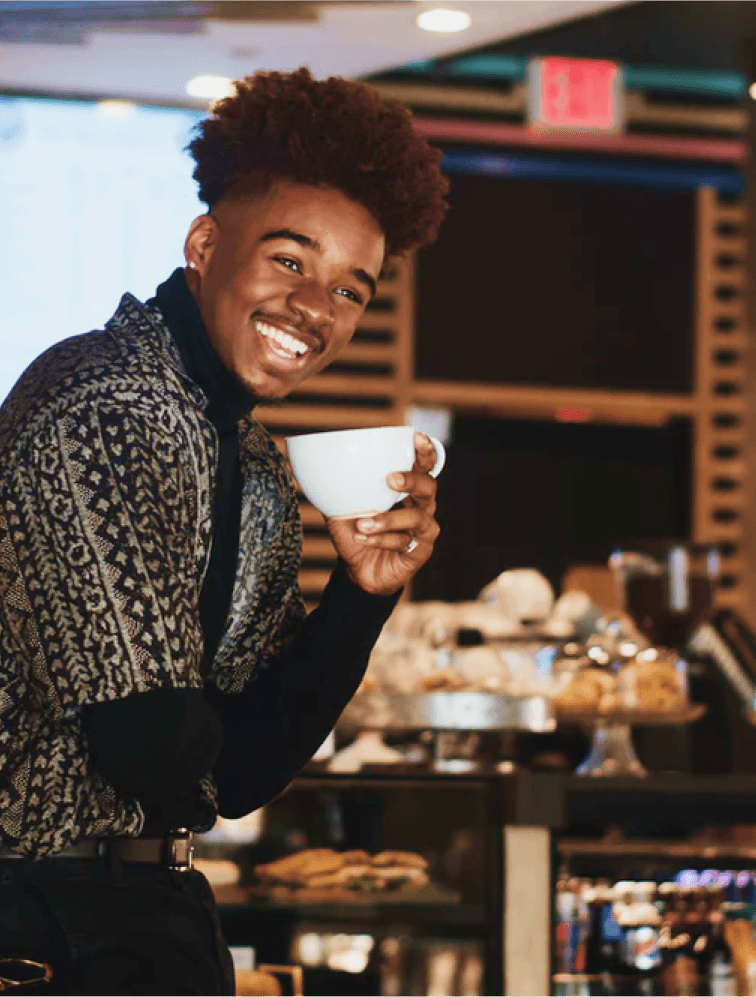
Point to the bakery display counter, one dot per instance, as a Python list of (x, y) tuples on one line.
[(517, 659), (408, 865), (446, 827), (654, 883), (497, 851)]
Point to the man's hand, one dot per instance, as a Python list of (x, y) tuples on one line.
[(383, 552)]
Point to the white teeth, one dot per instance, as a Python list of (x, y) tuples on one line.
[(282, 338)]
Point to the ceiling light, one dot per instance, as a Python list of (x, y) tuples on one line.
[(441, 19), (208, 87), (115, 108)]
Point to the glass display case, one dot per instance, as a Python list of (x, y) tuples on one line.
[(375, 884), (655, 891), (529, 883)]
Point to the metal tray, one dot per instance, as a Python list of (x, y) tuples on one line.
[(449, 711), (633, 716)]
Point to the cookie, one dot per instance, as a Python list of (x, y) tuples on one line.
[(397, 858), (295, 868)]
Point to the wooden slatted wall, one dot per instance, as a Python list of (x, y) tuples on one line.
[(368, 385), (372, 384), (720, 454)]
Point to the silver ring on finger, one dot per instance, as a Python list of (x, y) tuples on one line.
[(412, 545)]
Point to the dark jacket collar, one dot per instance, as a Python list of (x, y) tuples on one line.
[(228, 399)]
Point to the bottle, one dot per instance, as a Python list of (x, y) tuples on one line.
[(718, 969), (642, 937), (581, 925), (594, 958), (623, 895), (572, 925), (604, 947), (646, 956), (701, 930), (666, 903), (564, 942), (680, 973)]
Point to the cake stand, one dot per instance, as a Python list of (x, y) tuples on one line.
[(443, 714), (612, 752)]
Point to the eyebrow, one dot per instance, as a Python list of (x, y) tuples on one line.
[(305, 240)]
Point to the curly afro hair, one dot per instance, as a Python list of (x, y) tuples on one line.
[(332, 133)]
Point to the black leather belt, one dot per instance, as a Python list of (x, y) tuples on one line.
[(174, 851)]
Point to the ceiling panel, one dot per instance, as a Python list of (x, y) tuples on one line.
[(148, 51)]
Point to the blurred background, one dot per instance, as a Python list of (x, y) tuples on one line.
[(579, 337), (577, 334)]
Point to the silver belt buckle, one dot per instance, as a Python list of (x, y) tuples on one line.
[(180, 852)]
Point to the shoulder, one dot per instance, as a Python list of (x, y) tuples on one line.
[(131, 365)]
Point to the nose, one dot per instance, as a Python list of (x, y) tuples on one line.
[(313, 302)]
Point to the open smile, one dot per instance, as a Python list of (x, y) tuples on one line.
[(289, 350)]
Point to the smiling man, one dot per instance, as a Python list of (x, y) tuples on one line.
[(280, 286), (157, 667)]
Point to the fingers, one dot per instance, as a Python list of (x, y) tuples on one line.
[(420, 487), (401, 543), (394, 530), (425, 453), (406, 519)]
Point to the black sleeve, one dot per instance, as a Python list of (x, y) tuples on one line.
[(284, 713), (155, 747)]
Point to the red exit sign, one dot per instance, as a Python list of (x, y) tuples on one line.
[(575, 94)]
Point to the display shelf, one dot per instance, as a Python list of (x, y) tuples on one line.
[(432, 894), (382, 777), (454, 821), (721, 852), (558, 800), (466, 915), (528, 822), (449, 711), (633, 716)]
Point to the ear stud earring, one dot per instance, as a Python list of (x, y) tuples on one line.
[(193, 265)]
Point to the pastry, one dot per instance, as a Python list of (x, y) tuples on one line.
[(341, 877), (356, 857), (443, 680), (408, 859), (300, 866), (388, 876), (590, 689), (325, 869), (656, 684)]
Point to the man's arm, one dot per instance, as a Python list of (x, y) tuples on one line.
[(282, 716), (155, 747)]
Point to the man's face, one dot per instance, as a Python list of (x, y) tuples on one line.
[(282, 280)]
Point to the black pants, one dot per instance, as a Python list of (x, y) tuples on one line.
[(112, 928)]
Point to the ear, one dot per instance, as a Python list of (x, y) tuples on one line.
[(200, 243)]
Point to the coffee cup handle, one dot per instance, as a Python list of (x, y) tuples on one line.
[(440, 456)]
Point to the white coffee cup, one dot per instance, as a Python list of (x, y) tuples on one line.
[(343, 473)]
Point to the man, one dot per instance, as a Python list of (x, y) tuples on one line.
[(156, 665)]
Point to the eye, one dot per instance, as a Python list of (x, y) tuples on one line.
[(289, 263), (347, 292)]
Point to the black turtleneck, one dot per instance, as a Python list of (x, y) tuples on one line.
[(156, 746), (228, 402)]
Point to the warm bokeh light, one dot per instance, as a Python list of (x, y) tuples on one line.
[(441, 19), (752, 90), (209, 87), (115, 108)]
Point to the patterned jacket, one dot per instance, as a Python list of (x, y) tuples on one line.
[(107, 468)]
